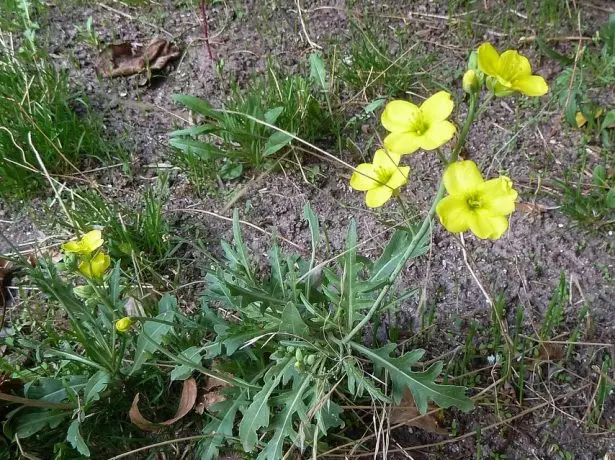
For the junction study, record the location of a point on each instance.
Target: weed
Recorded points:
(39, 128)
(144, 232)
(235, 137)
(370, 67)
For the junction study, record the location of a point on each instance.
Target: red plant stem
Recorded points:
(206, 29)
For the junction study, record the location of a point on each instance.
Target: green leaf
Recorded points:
(115, 288)
(309, 215)
(276, 142)
(609, 120)
(28, 424)
(421, 384)
(195, 104)
(374, 105)
(240, 247)
(599, 176)
(193, 131)
(55, 390)
(318, 73)
(76, 440)
(394, 251)
(283, 424)
(155, 331)
(257, 414)
(221, 427)
(359, 382)
(272, 115)
(350, 274)
(291, 321)
(97, 383)
(183, 371)
(201, 149)
(609, 200)
(552, 54)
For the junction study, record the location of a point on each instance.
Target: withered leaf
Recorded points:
(210, 395)
(551, 351)
(124, 59)
(408, 414)
(186, 403)
(530, 208)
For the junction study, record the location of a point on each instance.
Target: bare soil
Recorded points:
(525, 265)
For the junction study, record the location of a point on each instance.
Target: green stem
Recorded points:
(425, 226)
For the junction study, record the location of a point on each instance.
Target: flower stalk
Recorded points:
(426, 226)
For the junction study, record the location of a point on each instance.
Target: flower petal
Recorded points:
(72, 246)
(487, 227)
(488, 59)
(399, 177)
(402, 143)
(462, 177)
(398, 116)
(438, 107)
(95, 267)
(531, 85)
(364, 177)
(454, 213)
(376, 197)
(386, 160)
(438, 134)
(512, 66)
(498, 197)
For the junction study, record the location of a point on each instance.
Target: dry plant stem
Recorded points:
(206, 28)
(425, 227)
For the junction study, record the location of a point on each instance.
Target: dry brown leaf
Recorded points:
(551, 351)
(408, 414)
(186, 403)
(210, 395)
(530, 208)
(127, 58)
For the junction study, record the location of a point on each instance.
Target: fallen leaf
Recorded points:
(551, 351)
(408, 414)
(210, 395)
(530, 208)
(127, 58)
(186, 403)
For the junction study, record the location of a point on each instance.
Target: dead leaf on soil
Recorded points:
(531, 208)
(127, 58)
(551, 351)
(408, 414)
(186, 403)
(210, 395)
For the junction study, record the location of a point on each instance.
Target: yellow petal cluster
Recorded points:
(475, 204)
(414, 127)
(95, 267)
(380, 178)
(124, 324)
(86, 245)
(509, 72)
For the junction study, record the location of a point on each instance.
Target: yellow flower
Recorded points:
(122, 325)
(380, 178)
(87, 244)
(509, 72)
(475, 204)
(412, 128)
(470, 82)
(96, 266)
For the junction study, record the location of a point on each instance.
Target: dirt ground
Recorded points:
(525, 265)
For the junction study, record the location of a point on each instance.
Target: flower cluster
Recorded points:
(93, 263)
(473, 203)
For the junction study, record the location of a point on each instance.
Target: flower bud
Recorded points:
(470, 83)
(124, 324)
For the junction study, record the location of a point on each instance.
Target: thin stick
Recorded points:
(309, 40)
(206, 29)
(163, 443)
(46, 173)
